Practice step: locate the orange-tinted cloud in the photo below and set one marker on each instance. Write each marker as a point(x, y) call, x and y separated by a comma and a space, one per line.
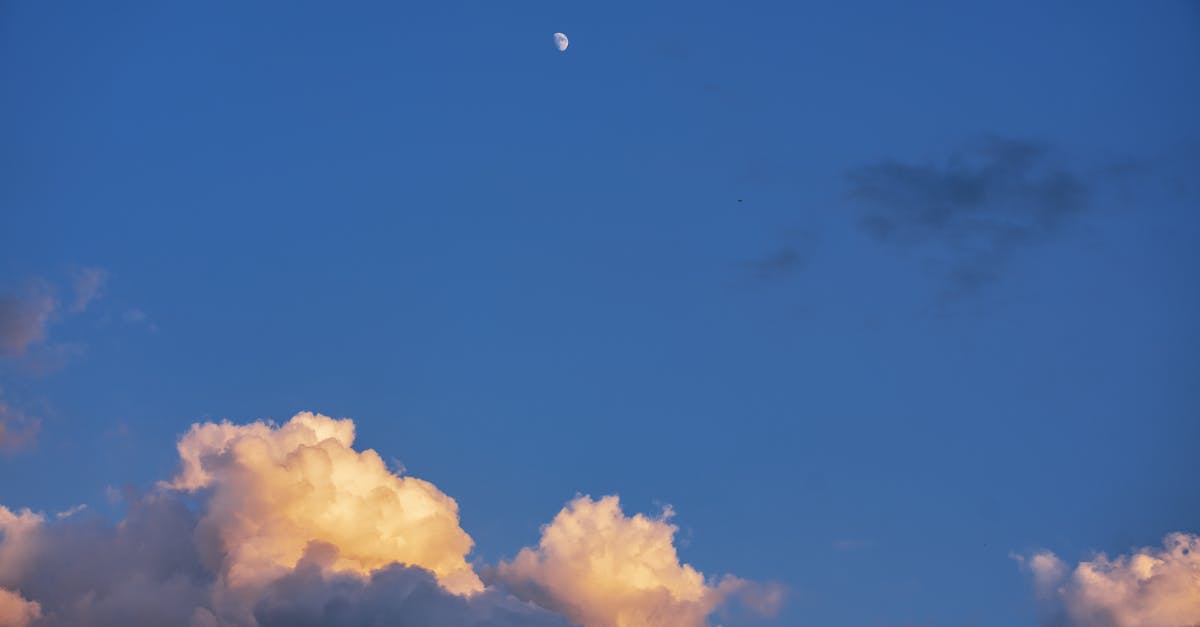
point(15, 611)
point(601, 568)
point(1149, 587)
point(270, 525)
point(18, 543)
point(23, 318)
point(275, 490)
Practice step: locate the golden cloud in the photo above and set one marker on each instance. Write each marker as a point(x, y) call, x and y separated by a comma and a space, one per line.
point(296, 527)
point(1150, 587)
point(601, 568)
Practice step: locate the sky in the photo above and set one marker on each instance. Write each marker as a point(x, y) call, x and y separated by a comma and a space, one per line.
point(889, 310)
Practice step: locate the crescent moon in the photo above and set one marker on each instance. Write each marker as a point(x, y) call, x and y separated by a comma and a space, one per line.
point(560, 41)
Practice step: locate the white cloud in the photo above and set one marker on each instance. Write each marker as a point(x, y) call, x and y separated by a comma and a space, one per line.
point(270, 525)
point(1149, 587)
point(601, 568)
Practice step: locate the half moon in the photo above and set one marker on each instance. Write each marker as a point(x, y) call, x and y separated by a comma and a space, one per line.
point(560, 41)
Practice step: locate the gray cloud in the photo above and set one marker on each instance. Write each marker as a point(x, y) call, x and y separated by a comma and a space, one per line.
point(396, 595)
point(975, 211)
point(783, 262)
point(145, 571)
point(157, 567)
point(787, 260)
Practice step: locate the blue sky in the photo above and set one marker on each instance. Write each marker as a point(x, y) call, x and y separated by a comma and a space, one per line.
point(640, 266)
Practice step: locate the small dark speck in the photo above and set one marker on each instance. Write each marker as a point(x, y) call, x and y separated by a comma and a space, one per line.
point(739, 200)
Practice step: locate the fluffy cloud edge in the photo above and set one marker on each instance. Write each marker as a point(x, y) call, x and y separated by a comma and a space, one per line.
point(16, 611)
point(601, 568)
point(267, 522)
point(1147, 587)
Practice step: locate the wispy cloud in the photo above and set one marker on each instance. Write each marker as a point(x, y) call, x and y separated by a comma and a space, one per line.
point(27, 315)
point(782, 262)
point(850, 544)
point(787, 260)
point(24, 317)
point(88, 284)
point(18, 430)
point(973, 211)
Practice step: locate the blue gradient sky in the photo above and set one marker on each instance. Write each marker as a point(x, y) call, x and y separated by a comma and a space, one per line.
point(528, 274)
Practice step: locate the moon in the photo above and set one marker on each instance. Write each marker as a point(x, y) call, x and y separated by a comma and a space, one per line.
point(560, 41)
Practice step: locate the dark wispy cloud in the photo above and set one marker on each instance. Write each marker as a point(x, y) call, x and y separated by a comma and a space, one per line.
point(975, 210)
point(27, 314)
point(783, 262)
point(786, 260)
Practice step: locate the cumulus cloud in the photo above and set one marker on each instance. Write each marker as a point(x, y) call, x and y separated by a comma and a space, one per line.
point(15, 611)
point(18, 542)
point(268, 525)
point(275, 490)
point(310, 596)
point(601, 568)
point(1150, 587)
point(975, 211)
point(23, 318)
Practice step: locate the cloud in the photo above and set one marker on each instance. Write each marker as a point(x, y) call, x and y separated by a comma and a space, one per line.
point(87, 283)
point(267, 525)
point(18, 542)
point(17, 430)
point(23, 318)
point(975, 211)
point(778, 264)
point(786, 260)
point(15, 611)
point(275, 490)
point(601, 568)
point(851, 544)
point(134, 316)
point(1150, 587)
point(310, 596)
